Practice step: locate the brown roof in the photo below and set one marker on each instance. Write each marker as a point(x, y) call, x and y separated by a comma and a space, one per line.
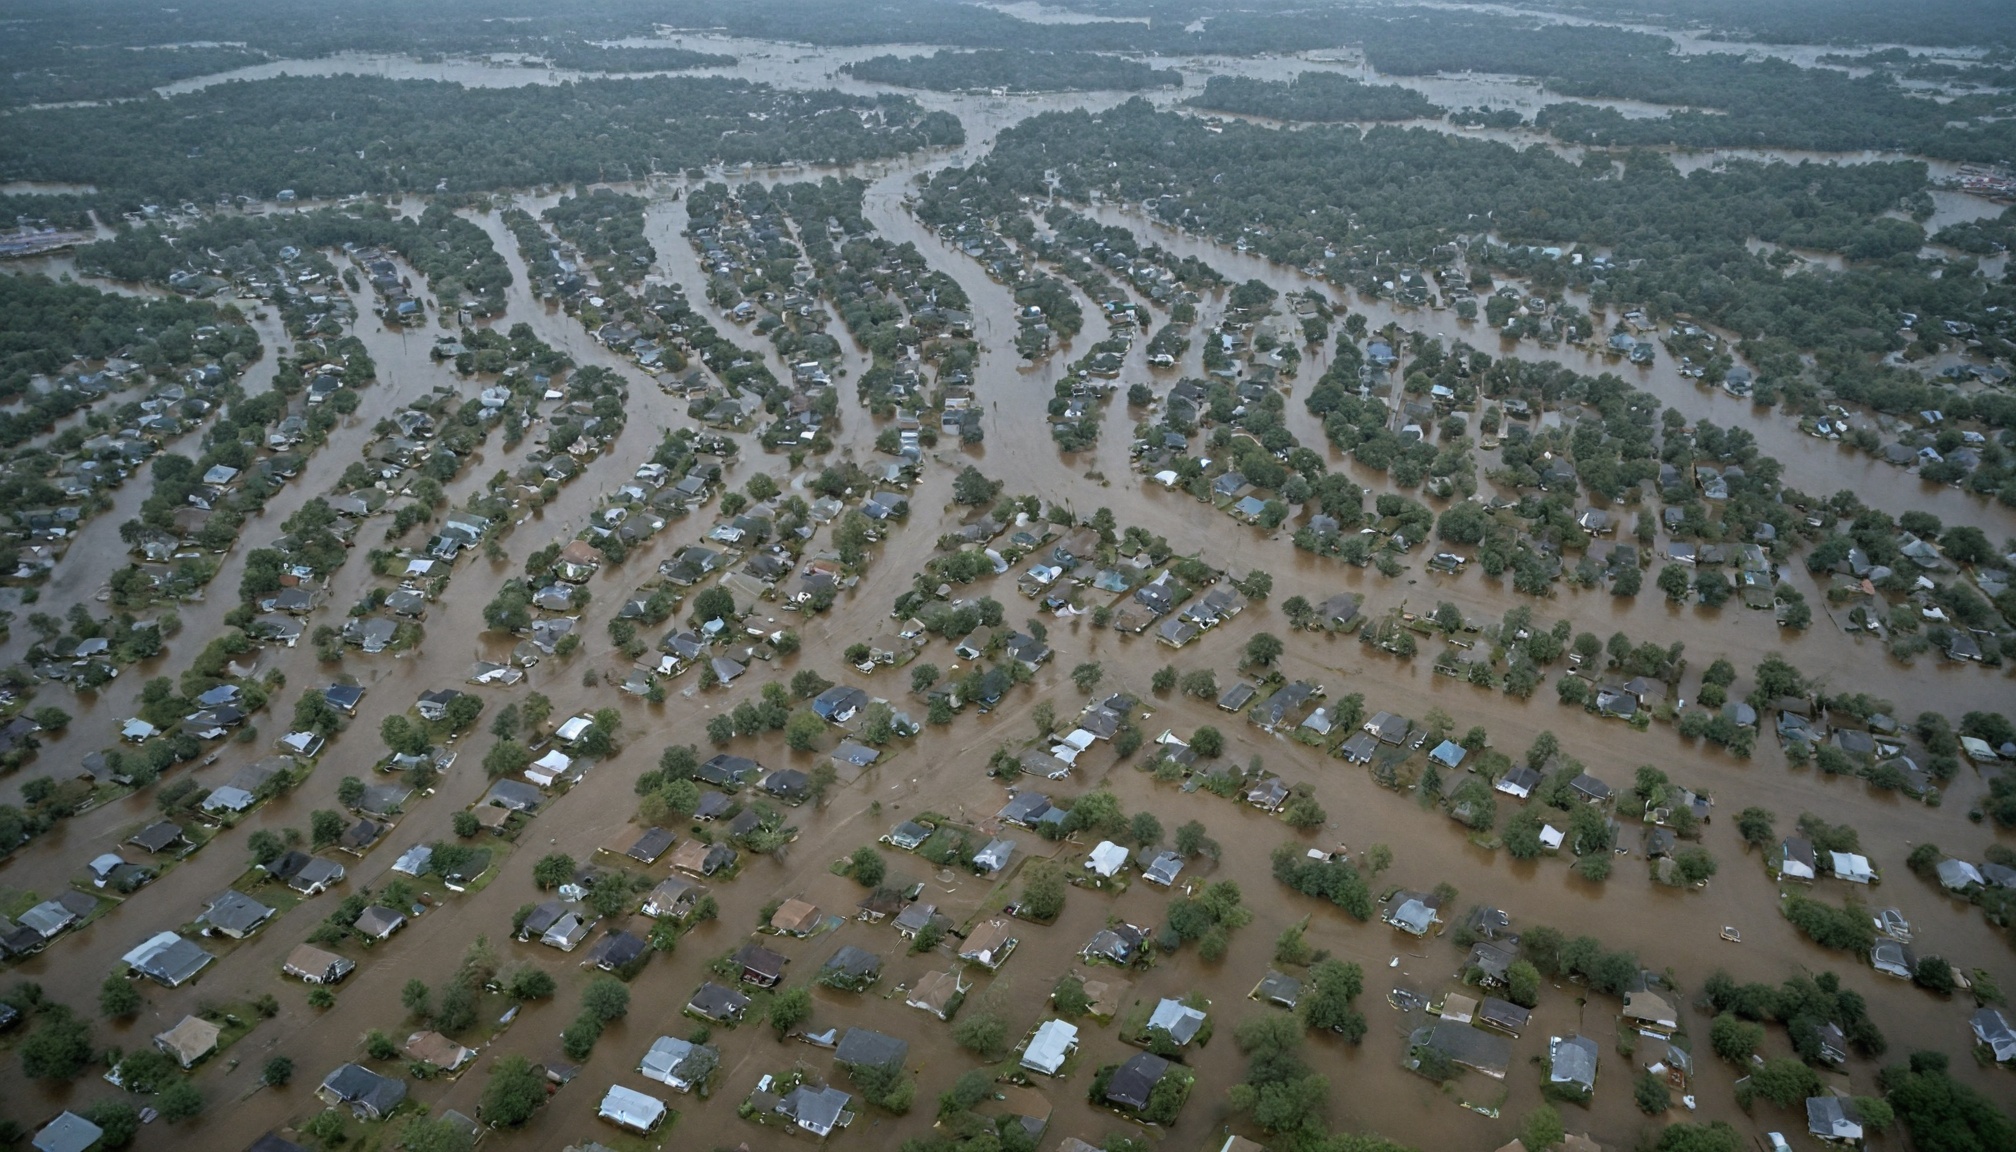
point(690, 856)
point(795, 916)
point(934, 992)
point(580, 552)
point(189, 1041)
point(988, 937)
point(438, 1050)
point(308, 958)
point(1106, 996)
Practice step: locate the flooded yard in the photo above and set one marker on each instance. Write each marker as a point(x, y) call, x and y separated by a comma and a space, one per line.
point(944, 769)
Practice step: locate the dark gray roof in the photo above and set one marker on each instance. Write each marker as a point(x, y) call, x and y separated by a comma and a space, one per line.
point(871, 1049)
point(717, 1002)
point(1472, 1048)
point(616, 949)
point(853, 963)
point(1133, 1082)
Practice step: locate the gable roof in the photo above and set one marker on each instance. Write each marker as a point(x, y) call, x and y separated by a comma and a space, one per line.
point(1133, 1082)
point(871, 1049)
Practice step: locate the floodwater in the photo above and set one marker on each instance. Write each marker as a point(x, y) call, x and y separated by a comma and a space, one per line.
point(944, 770)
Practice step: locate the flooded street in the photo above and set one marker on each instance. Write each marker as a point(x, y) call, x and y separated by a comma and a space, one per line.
point(944, 769)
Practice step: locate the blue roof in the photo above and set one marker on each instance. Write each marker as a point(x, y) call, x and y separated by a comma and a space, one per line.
point(1449, 754)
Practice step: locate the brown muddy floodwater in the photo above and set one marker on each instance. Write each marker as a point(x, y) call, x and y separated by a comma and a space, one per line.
point(944, 770)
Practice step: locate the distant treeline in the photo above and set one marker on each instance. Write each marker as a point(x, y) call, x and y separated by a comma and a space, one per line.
point(1317, 96)
point(1355, 204)
point(1735, 101)
point(593, 58)
point(108, 72)
point(1018, 69)
point(1964, 23)
point(338, 135)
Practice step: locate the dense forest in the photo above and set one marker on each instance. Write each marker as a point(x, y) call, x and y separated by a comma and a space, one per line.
point(50, 29)
point(456, 256)
point(1721, 100)
point(340, 135)
point(103, 72)
point(56, 210)
point(45, 326)
point(1016, 69)
point(1356, 206)
point(1932, 22)
point(596, 58)
point(1316, 96)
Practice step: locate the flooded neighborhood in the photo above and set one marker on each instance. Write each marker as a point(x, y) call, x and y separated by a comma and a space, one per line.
point(1334, 579)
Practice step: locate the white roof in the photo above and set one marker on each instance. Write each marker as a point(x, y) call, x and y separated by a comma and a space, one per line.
point(68, 1133)
point(554, 762)
point(573, 729)
point(1050, 1047)
point(1107, 859)
point(1550, 836)
point(632, 1109)
point(1178, 1019)
point(228, 798)
point(1080, 739)
point(663, 1059)
point(414, 860)
point(1853, 868)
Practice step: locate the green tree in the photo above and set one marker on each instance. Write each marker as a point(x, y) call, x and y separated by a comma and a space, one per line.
point(715, 603)
point(506, 758)
point(1542, 1129)
point(972, 488)
point(117, 1118)
point(552, 870)
point(514, 1092)
point(277, 1072)
point(1192, 839)
point(983, 1032)
point(1522, 982)
point(1651, 1094)
point(434, 1134)
point(1327, 1002)
point(118, 999)
point(1208, 743)
point(1042, 891)
point(325, 827)
point(416, 998)
point(790, 1008)
point(265, 846)
point(1734, 1039)
point(1087, 676)
point(59, 1048)
point(867, 867)
point(179, 1101)
point(1145, 829)
point(803, 729)
point(529, 983)
point(606, 998)
point(1673, 582)
point(1263, 649)
point(1784, 1081)
point(1756, 827)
